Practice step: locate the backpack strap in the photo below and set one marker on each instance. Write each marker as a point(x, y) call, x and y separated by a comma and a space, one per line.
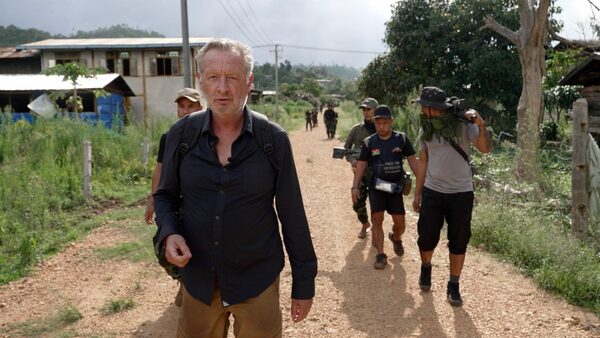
point(459, 150)
point(189, 135)
point(263, 132)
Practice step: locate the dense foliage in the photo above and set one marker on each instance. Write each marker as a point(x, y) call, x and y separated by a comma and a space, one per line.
point(436, 42)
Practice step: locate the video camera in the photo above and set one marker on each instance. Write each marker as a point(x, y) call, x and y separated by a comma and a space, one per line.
point(459, 108)
point(341, 152)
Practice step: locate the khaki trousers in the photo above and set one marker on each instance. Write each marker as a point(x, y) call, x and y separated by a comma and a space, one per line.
point(256, 317)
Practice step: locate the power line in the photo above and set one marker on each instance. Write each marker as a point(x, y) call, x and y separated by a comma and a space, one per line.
point(241, 7)
point(323, 49)
point(268, 38)
point(242, 22)
point(236, 24)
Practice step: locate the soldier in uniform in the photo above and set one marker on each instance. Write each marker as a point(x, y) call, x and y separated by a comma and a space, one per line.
point(308, 118)
point(330, 117)
point(357, 134)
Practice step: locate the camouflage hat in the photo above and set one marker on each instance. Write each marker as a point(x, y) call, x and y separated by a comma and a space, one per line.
point(434, 97)
point(383, 111)
point(190, 94)
point(369, 103)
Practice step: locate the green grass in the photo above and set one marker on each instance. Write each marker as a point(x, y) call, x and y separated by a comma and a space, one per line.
point(65, 316)
point(117, 305)
point(532, 230)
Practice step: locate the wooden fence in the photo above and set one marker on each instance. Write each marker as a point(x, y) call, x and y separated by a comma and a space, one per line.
point(583, 124)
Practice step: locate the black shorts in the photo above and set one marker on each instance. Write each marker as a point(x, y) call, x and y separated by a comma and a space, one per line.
point(456, 209)
point(384, 201)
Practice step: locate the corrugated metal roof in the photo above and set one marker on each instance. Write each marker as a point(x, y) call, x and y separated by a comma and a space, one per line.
point(113, 43)
point(13, 53)
point(38, 82)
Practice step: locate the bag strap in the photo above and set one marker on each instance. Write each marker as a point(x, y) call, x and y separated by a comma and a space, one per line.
point(263, 132)
point(459, 150)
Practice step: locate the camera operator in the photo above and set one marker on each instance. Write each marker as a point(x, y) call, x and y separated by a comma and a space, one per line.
point(444, 188)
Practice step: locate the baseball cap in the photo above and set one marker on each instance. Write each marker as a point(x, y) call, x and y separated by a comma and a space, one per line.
point(369, 102)
point(434, 97)
point(190, 94)
point(383, 111)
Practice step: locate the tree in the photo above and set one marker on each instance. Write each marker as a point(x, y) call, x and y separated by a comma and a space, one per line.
point(529, 39)
point(72, 71)
point(437, 42)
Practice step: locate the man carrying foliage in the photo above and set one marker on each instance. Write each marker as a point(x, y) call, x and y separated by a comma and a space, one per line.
point(444, 189)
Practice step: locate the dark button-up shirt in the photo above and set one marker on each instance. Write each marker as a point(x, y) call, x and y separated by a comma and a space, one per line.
point(229, 219)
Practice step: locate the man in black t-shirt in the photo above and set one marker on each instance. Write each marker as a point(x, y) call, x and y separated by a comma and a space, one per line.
point(383, 153)
point(188, 101)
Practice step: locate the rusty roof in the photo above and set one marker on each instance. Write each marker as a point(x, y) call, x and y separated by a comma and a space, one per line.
point(13, 53)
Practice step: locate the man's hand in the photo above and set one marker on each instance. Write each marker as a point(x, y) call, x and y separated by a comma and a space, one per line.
point(417, 202)
point(355, 193)
point(149, 211)
point(177, 251)
point(300, 309)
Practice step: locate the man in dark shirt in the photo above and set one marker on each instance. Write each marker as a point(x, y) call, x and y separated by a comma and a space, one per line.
point(383, 153)
point(330, 117)
point(188, 101)
point(229, 249)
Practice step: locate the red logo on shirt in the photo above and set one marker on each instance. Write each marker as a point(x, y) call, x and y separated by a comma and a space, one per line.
point(375, 152)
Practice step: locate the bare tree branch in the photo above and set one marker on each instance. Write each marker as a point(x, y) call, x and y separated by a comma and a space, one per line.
point(492, 24)
point(592, 4)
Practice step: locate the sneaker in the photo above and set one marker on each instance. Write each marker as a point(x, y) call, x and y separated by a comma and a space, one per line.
point(398, 248)
point(453, 294)
point(425, 278)
point(380, 261)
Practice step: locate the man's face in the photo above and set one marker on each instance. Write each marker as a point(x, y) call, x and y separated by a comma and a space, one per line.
point(368, 113)
point(223, 82)
point(383, 126)
point(431, 112)
point(186, 107)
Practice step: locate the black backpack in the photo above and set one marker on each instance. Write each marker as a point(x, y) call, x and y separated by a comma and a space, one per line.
point(263, 134)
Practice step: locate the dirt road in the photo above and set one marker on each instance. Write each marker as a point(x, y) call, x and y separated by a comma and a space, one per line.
point(353, 299)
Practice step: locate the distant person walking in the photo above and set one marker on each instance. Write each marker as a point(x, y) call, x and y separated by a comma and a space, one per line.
point(330, 118)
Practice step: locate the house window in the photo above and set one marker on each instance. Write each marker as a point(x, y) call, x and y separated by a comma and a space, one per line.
point(65, 57)
point(121, 63)
point(165, 63)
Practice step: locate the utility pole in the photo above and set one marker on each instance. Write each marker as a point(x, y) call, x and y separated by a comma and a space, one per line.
point(187, 78)
point(276, 82)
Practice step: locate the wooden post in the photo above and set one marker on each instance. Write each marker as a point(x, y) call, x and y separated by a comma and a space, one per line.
point(579, 168)
point(87, 170)
point(145, 151)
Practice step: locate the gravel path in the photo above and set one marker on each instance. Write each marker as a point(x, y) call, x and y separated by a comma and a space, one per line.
point(353, 299)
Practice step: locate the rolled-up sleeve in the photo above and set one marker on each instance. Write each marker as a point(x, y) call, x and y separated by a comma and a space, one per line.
point(295, 229)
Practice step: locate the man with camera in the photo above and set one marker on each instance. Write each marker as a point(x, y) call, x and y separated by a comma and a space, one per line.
point(354, 141)
point(444, 188)
point(383, 152)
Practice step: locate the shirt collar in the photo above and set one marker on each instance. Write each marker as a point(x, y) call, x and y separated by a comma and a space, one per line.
point(247, 126)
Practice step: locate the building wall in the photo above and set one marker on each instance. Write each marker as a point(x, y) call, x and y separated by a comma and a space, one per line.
point(160, 91)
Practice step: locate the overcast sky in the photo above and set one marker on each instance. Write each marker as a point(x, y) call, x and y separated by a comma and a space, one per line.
point(349, 25)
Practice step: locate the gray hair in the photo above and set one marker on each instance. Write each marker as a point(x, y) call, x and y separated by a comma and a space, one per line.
point(228, 45)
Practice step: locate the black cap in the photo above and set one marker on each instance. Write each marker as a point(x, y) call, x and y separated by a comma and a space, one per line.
point(383, 111)
point(434, 97)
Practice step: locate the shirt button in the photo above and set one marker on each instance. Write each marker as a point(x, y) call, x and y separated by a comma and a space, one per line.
point(217, 217)
point(224, 169)
point(212, 268)
point(221, 192)
point(216, 242)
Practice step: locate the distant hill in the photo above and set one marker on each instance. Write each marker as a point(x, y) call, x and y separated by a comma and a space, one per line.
point(11, 35)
